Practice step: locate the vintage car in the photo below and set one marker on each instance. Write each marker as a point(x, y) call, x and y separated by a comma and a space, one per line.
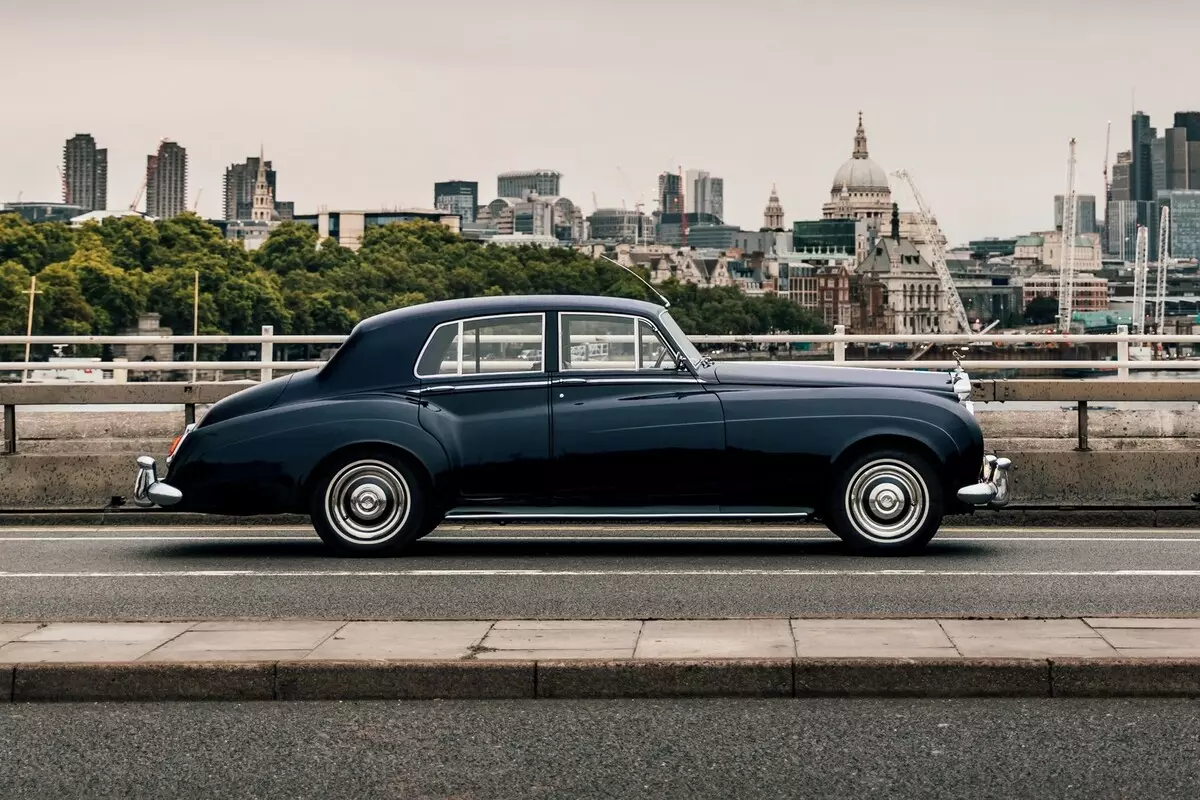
point(438, 411)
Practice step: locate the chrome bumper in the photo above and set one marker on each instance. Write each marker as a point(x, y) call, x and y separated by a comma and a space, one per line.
point(148, 490)
point(992, 489)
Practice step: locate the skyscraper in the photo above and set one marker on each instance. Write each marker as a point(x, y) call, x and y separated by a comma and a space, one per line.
point(670, 195)
point(457, 197)
point(166, 181)
point(704, 194)
point(1141, 176)
point(85, 173)
point(239, 187)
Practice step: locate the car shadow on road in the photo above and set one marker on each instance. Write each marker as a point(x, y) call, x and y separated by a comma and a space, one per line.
point(447, 548)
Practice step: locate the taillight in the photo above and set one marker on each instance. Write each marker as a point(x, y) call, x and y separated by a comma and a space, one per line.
point(174, 444)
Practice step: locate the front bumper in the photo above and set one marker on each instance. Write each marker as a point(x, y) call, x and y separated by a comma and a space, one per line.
point(148, 490)
point(992, 489)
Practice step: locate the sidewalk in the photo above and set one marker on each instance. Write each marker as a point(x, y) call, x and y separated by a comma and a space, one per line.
point(342, 660)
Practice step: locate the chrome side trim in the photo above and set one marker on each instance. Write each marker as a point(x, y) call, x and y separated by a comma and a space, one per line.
point(688, 381)
point(462, 387)
point(484, 515)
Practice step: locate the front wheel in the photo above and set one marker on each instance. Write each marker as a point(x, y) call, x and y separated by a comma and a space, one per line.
point(886, 503)
point(369, 504)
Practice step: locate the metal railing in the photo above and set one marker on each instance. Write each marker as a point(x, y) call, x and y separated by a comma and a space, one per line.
point(837, 342)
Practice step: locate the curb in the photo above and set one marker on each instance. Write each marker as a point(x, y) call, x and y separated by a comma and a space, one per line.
point(664, 679)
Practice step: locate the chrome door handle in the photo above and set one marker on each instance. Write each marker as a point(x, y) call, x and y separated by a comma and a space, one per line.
point(572, 381)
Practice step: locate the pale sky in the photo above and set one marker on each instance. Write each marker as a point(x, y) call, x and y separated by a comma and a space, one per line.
point(365, 103)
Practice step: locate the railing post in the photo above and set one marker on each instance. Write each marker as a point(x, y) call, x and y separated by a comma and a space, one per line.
point(839, 348)
point(189, 413)
point(10, 430)
point(266, 352)
point(1122, 353)
point(1083, 425)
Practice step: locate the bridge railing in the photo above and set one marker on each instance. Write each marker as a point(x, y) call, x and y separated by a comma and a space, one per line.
point(191, 395)
point(834, 345)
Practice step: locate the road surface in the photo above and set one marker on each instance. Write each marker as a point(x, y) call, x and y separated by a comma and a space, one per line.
point(556, 572)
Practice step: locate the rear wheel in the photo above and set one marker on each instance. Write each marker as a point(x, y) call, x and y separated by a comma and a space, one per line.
point(888, 502)
point(369, 504)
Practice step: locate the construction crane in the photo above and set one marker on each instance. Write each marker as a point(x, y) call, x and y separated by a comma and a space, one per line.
point(152, 164)
point(196, 202)
point(1140, 269)
point(1164, 250)
point(66, 190)
point(1107, 188)
point(683, 207)
point(930, 234)
point(1066, 271)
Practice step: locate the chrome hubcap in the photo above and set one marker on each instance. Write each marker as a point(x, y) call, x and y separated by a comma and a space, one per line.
point(887, 500)
point(367, 501)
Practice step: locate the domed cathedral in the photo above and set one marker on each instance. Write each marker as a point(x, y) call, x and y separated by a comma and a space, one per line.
point(860, 187)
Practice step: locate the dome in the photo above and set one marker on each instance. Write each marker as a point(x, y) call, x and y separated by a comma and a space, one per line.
point(861, 175)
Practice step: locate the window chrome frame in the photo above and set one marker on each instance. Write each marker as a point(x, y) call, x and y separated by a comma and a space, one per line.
point(644, 373)
point(461, 325)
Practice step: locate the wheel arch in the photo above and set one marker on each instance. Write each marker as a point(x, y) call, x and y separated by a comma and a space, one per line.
point(406, 455)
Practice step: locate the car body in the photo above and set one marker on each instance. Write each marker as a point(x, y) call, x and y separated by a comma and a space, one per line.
point(436, 411)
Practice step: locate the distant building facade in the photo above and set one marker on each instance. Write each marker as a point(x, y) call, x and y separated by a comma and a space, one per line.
point(1085, 213)
point(1183, 236)
point(518, 184)
point(85, 173)
point(457, 197)
point(704, 194)
point(240, 181)
point(166, 181)
point(347, 227)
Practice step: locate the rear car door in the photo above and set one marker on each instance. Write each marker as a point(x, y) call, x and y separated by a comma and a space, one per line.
point(631, 426)
point(485, 396)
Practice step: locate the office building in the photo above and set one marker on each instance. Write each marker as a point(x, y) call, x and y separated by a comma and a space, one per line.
point(1085, 213)
point(457, 197)
point(347, 227)
point(166, 181)
point(520, 184)
point(704, 194)
point(85, 173)
point(670, 193)
point(1183, 240)
point(1141, 177)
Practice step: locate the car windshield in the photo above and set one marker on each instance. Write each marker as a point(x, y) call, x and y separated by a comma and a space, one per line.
point(681, 340)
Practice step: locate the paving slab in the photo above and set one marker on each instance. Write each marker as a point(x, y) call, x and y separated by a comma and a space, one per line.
point(1027, 638)
point(569, 636)
point(893, 638)
point(401, 640)
point(15, 630)
point(296, 640)
point(1185, 642)
point(157, 632)
point(1149, 623)
point(712, 639)
point(65, 652)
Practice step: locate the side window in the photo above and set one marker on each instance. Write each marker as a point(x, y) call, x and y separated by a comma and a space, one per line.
point(598, 342)
point(652, 350)
point(486, 345)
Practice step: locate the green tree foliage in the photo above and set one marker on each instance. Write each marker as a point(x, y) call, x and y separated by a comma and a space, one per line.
point(97, 279)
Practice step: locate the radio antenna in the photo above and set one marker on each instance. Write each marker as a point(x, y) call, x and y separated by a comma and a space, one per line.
point(666, 303)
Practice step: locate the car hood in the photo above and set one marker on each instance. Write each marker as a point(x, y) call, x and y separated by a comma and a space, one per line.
point(777, 374)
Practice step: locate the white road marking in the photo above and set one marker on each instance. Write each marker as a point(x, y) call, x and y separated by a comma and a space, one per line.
point(649, 573)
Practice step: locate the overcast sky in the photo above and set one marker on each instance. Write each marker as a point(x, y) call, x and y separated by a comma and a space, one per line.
point(365, 103)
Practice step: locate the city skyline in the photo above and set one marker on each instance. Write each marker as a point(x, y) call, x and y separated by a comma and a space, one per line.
point(387, 140)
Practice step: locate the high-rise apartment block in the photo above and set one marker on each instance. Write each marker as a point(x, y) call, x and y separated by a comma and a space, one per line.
point(85, 173)
point(519, 185)
point(166, 181)
point(239, 188)
point(457, 197)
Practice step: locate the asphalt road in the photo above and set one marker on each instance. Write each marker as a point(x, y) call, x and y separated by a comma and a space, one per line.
point(598, 572)
point(627, 749)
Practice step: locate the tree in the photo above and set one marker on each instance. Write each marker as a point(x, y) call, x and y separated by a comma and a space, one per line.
point(1041, 311)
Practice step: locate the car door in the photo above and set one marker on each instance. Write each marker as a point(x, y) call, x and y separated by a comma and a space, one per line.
point(485, 396)
point(631, 426)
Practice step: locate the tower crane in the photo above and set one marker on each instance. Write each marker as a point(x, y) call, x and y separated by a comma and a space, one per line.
point(925, 219)
point(1164, 249)
point(1140, 269)
point(1066, 272)
point(66, 189)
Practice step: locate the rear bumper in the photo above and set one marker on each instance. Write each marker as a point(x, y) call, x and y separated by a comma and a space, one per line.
point(148, 490)
point(992, 489)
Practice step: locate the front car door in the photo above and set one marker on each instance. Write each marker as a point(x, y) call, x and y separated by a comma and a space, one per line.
point(632, 426)
point(485, 397)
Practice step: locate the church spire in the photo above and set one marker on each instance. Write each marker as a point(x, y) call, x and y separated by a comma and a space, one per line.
point(773, 214)
point(264, 203)
point(860, 139)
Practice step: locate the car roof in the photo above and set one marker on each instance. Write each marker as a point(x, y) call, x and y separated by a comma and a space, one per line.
point(429, 314)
